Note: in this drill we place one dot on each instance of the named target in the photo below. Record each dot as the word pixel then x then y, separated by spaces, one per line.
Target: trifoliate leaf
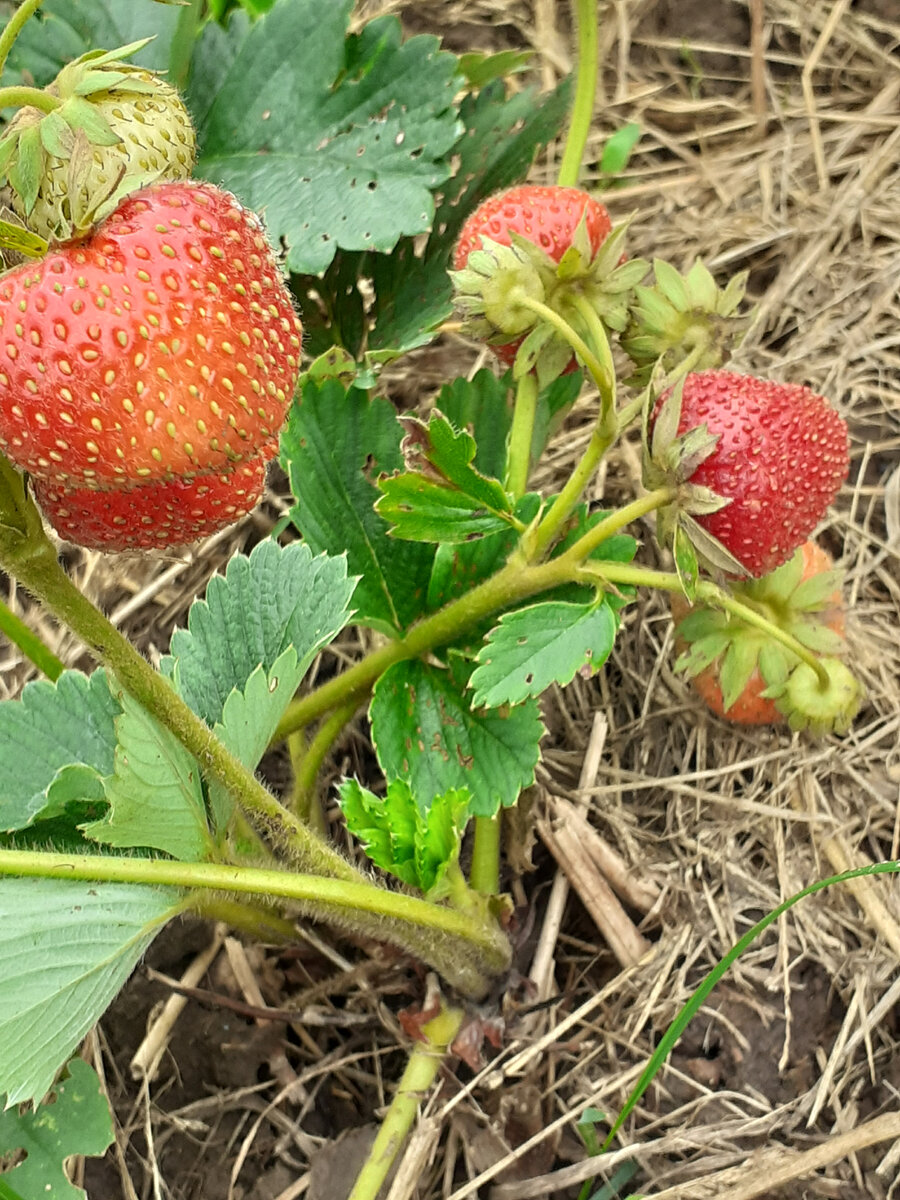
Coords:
pixel 539 645
pixel 74 1119
pixel 335 446
pixel 426 733
pixel 155 796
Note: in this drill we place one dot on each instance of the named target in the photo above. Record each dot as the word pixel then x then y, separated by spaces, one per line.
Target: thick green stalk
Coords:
pixel 308 759
pixel 485 873
pixel 29 643
pixel 513 582
pixel 181 48
pixel 466 951
pixel 421 1071
pixel 20 97
pixel 581 550
pixel 585 92
pixel 520 435
pixel 711 595
pixel 14 26
pixel 596 368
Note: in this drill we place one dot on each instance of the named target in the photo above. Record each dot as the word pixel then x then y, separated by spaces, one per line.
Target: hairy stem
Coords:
pixel 713 596
pixel 29 643
pixel 596 368
pixel 420 1073
pixel 520 435
pixel 20 97
pixel 485 873
pixel 585 91
pixel 513 582
pixel 14 27
pixel 603 530
pixel 308 761
pixel 466 951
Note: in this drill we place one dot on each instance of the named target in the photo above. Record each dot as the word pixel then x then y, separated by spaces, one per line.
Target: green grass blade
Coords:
pixel 675 1030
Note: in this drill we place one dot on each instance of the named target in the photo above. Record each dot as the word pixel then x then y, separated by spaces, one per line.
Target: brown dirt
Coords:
pixel 798 1045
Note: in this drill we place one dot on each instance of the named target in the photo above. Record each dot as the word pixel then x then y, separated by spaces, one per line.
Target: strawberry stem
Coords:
pixel 713 596
pixel 464 949
pixel 307 761
pixel 14 27
pixel 484 875
pixel 20 97
pixel 604 530
pixel 585 92
pixel 521 434
pixel 420 1073
pixel 596 368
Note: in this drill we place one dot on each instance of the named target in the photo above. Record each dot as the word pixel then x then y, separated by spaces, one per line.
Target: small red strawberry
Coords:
pixel 732 665
pixel 548 243
pixel 756 465
pixel 161 350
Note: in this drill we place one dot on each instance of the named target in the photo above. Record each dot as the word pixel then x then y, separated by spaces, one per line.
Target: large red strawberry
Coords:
pixel 756 465
pixel 548 243
pixel 162 350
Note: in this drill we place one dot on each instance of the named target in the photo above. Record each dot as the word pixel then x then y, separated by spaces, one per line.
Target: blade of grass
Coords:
pixel 678 1026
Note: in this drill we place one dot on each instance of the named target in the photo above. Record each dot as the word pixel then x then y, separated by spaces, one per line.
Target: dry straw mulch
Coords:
pixel 773 148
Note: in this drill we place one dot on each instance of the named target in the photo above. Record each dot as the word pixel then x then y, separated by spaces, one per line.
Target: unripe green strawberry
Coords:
pixel 117 128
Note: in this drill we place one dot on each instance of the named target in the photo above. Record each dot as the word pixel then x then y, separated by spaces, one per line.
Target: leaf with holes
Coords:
pixel 381 305
pixel 426 733
pixel 339 140
pixel 539 645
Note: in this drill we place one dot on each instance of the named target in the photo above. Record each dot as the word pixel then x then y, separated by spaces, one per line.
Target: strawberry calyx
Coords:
pixel 683 316
pixel 491 286
pixel 752 678
pixel 115 128
pixel 810 706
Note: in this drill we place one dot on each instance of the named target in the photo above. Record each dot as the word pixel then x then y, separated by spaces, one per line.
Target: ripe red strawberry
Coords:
pixel 154 514
pixel 757 465
pixel 546 216
pixel 517 241
pixel 162 349
pixel 732 665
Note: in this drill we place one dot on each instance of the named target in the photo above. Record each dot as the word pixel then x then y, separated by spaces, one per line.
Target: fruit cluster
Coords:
pixel 748 467
pixel 148 361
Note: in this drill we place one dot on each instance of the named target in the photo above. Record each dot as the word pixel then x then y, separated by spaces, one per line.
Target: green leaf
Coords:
pixel 272 599
pixel 393 303
pixel 686 563
pixel 458 567
pixel 22 241
pixel 480 69
pixel 65 950
pixel 618 149
pixel 336 444
pixel 421 510
pixel 482 406
pixel 415 842
pixel 56 744
pixel 63 31
pixel 425 732
pixel 539 645
pixel 74 1120
pixel 451 452
pixel 249 719
pixel 335 153
pixel 155 796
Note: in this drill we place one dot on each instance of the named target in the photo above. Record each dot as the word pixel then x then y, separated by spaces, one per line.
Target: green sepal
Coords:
pixel 82 116
pixel 25 173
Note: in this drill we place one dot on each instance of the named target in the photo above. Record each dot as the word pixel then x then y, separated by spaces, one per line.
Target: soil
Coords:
pixel 798 1044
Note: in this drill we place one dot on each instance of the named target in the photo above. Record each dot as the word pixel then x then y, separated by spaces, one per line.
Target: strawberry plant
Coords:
pixel 152 367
